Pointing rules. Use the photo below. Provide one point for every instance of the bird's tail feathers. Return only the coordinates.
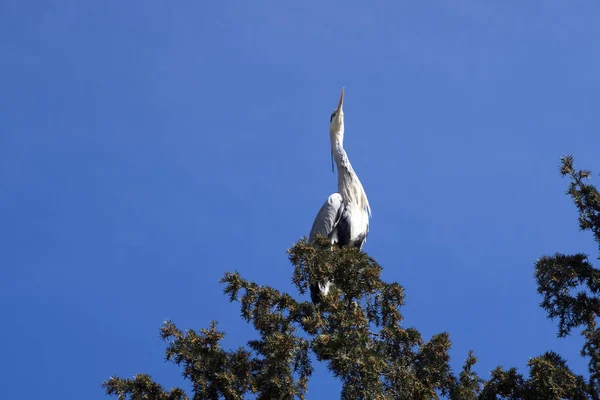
(318, 291)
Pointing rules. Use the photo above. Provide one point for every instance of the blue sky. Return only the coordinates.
(148, 147)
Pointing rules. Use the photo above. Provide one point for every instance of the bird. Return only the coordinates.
(344, 218)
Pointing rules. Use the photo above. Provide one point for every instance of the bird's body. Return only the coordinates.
(344, 218)
(345, 215)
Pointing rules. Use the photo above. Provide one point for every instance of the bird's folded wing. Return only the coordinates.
(327, 217)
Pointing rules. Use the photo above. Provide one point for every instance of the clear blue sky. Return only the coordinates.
(146, 146)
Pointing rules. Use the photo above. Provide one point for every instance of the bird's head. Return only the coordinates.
(336, 125)
(336, 121)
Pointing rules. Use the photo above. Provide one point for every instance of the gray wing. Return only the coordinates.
(327, 217)
(325, 222)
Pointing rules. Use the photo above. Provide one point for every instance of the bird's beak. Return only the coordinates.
(341, 103)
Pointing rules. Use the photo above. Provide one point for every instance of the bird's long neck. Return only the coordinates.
(349, 186)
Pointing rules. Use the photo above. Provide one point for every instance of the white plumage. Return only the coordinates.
(344, 218)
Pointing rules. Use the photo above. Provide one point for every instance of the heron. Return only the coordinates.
(344, 218)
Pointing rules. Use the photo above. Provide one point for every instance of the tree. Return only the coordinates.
(358, 332)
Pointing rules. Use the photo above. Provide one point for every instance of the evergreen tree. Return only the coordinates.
(358, 332)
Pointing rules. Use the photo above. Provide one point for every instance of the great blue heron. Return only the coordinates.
(344, 218)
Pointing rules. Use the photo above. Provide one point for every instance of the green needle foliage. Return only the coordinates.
(358, 332)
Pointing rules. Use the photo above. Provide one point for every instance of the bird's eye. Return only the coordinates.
(332, 115)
